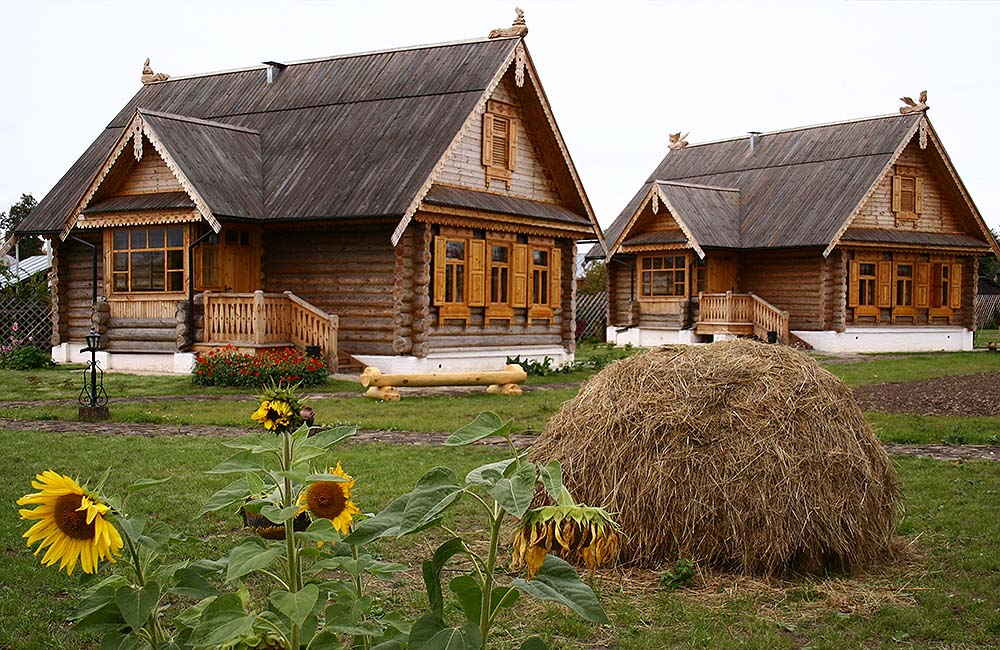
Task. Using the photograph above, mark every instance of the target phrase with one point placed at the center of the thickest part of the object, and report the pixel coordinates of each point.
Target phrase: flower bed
(228, 367)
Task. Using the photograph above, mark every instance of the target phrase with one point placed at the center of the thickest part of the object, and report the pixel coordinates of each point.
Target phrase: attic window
(499, 142)
(907, 194)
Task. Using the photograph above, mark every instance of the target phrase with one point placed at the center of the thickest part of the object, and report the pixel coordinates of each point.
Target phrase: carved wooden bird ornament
(912, 106)
(518, 28)
(677, 141)
(148, 76)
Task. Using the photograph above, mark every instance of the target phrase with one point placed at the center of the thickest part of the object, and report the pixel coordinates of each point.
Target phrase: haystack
(745, 456)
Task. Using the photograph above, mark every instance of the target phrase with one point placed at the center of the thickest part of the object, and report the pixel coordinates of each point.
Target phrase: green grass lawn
(888, 369)
(944, 598)
(985, 336)
(919, 429)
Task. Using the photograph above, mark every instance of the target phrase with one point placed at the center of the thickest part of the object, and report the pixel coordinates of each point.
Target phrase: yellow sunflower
(574, 532)
(273, 414)
(70, 524)
(331, 500)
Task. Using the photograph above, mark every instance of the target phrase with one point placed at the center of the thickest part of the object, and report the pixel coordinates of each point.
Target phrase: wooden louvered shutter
(487, 139)
(897, 189)
(555, 278)
(477, 273)
(440, 244)
(955, 301)
(918, 196)
(852, 285)
(519, 273)
(921, 286)
(883, 289)
(512, 145)
(500, 141)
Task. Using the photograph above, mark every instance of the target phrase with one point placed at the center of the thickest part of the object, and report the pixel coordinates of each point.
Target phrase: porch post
(258, 316)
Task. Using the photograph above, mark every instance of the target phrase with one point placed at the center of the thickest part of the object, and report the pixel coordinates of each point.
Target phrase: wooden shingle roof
(797, 187)
(344, 137)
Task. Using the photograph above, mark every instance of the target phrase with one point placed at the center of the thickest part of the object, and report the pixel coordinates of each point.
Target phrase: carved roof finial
(677, 141)
(517, 29)
(912, 106)
(148, 76)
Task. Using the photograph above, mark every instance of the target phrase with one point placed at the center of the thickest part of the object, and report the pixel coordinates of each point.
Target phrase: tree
(30, 245)
(989, 266)
(595, 278)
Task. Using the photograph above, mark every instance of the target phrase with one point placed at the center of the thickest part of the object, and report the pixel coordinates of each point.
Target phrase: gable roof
(343, 137)
(798, 187)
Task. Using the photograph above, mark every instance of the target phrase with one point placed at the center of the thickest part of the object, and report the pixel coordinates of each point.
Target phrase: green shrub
(26, 357)
(228, 367)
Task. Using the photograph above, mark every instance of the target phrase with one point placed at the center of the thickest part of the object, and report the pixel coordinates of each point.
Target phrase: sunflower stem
(294, 584)
(491, 561)
(140, 578)
(366, 641)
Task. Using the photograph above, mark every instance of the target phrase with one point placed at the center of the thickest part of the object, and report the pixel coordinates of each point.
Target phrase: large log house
(851, 236)
(415, 209)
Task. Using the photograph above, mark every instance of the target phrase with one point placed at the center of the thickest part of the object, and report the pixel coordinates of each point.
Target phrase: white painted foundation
(890, 339)
(179, 363)
(464, 360)
(646, 337)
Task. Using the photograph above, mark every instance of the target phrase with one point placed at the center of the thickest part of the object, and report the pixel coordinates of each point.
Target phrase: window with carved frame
(663, 276)
(500, 127)
(147, 259)
(907, 194)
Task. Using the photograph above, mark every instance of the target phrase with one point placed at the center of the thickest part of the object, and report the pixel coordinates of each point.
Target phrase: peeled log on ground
(744, 456)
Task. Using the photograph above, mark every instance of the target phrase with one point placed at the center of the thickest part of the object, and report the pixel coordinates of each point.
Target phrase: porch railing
(269, 319)
(742, 313)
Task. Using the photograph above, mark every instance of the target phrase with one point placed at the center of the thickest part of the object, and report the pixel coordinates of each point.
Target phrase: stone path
(935, 451)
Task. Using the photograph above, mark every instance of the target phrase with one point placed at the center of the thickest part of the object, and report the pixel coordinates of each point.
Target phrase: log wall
(530, 179)
(620, 290)
(834, 296)
(937, 214)
(73, 303)
(791, 280)
(344, 270)
(149, 175)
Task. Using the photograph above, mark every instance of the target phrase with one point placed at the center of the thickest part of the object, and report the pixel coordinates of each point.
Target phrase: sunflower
(574, 532)
(275, 415)
(71, 524)
(331, 500)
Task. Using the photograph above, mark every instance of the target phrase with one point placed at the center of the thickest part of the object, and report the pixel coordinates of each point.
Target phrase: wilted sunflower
(70, 524)
(275, 415)
(331, 500)
(573, 532)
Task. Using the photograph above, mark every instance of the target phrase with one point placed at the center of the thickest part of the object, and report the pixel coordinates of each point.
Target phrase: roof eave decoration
(518, 56)
(134, 133)
(9, 244)
(654, 197)
(924, 130)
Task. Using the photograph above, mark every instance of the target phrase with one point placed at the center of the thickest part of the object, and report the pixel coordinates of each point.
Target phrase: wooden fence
(741, 313)
(987, 311)
(267, 319)
(591, 316)
(25, 321)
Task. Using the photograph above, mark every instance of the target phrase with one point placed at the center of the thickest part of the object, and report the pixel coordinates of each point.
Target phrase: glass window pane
(459, 283)
(449, 283)
(904, 270)
(175, 260)
(680, 262)
(499, 253)
(156, 237)
(121, 282)
(867, 269)
(504, 283)
(139, 238)
(657, 262)
(455, 250)
(175, 281)
(540, 258)
(663, 283)
(244, 238)
(141, 271)
(647, 262)
(175, 237)
(121, 261)
(121, 240)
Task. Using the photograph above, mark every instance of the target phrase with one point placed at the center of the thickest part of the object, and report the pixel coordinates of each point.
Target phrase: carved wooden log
(56, 337)
(513, 374)
(384, 393)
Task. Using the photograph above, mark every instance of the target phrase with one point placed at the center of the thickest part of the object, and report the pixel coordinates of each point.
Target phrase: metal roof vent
(754, 139)
(273, 70)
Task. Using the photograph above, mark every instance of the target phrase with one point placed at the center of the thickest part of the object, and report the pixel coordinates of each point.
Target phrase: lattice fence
(987, 311)
(591, 315)
(25, 321)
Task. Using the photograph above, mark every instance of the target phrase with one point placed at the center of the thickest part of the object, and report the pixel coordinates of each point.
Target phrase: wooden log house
(413, 209)
(854, 236)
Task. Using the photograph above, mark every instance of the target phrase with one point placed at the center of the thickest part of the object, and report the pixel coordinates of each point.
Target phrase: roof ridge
(195, 120)
(697, 186)
(333, 57)
(801, 128)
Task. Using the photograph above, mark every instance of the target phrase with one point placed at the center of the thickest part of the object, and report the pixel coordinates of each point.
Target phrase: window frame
(910, 213)
(111, 251)
(680, 263)
(501, 309)
(499, 168)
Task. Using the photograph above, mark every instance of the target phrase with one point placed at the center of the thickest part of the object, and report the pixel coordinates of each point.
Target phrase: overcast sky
(619, 75)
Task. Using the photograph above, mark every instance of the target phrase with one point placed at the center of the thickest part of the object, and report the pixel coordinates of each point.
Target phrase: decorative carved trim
(677, 141)
(137, 140)
(519, 65)
(517, 29)
(119, 219)
(655, 202)
(923, 133)
(150, 77)
(912, 106)
(99, 179)
(482, 224)
(644, 248)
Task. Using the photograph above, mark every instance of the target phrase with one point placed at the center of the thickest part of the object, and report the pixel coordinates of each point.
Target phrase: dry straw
(745, 456)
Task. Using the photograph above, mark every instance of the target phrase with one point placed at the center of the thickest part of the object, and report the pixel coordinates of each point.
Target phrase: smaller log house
(413, 209)
(854, 236)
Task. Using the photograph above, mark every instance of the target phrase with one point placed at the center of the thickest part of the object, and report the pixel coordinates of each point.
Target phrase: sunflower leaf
(321, 530)
(514, 494)
(485, 425)
(144, 483)
(431, 633)
(432, 571)
(384, 524)
(192, 584)
(136, 604)
(470, 596)
(296, 606)
(249, 556)
(550, 475)
(489, 473)
(279, 515)
(559, 582)
(436, 490)
(330, 437)
(314, 478)
(238, 490)
(244, 461)
(533, 643)
(308, 452)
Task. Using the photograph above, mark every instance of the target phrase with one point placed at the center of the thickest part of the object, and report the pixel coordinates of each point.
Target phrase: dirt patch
(975, 395)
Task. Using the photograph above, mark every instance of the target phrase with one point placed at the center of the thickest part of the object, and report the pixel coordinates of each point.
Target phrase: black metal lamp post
(93, 400)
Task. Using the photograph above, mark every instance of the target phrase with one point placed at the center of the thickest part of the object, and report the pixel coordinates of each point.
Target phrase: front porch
(741, 314)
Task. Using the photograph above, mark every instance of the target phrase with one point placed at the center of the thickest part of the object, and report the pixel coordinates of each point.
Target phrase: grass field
(945, 597)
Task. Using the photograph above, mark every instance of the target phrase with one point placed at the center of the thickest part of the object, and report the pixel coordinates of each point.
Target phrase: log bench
(498, 382)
